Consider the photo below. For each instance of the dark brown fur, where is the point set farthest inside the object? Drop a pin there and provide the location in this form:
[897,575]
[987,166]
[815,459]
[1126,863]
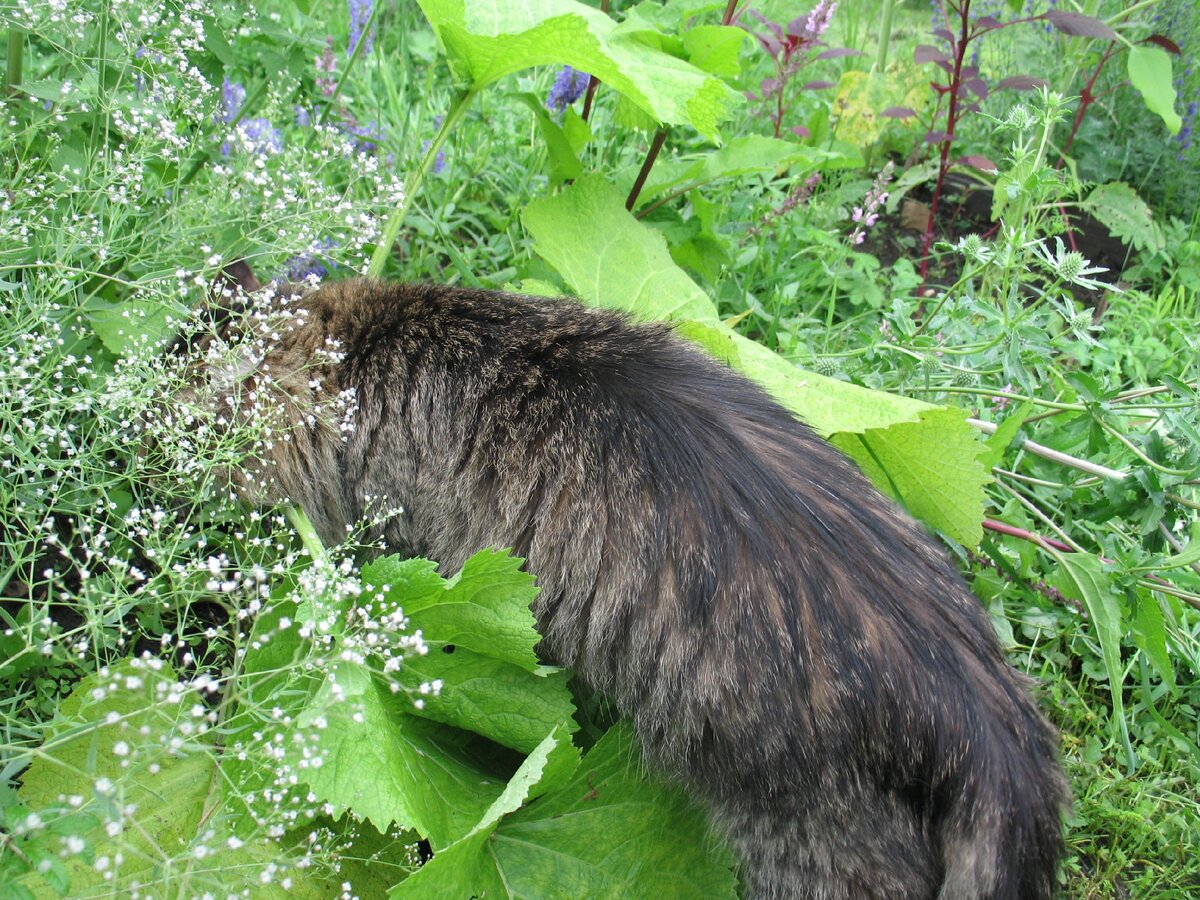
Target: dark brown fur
[786,641]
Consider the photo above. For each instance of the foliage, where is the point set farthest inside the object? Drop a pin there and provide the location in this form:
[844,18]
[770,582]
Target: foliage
[197,699]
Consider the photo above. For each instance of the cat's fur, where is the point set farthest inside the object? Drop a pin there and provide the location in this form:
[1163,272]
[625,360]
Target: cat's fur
[786,641]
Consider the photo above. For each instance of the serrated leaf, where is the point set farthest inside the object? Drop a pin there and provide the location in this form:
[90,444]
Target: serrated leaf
[484,608]
[1118,208]
[1150,635]
[498,700]
[612,260]
[604,833]
[383,765]
[1150,72]
[931,466]
[488,39]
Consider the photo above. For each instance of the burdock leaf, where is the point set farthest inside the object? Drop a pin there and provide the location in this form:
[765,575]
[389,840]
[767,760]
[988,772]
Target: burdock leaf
[611,259]
[603,833]
[487,39]
[931,466]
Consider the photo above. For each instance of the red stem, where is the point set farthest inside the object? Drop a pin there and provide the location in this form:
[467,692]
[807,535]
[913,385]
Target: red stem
[960,53]
[659,137]
[1086,99]
[593,81]
[1014,531]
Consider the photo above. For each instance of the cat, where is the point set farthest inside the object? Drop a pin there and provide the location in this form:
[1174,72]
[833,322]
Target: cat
[787,642]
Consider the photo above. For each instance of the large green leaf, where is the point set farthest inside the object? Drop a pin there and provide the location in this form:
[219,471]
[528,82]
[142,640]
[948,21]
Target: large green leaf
[603,833]
[610,259]
[355,747]
[126,772]
[376,744]
[485,40]
[931,466]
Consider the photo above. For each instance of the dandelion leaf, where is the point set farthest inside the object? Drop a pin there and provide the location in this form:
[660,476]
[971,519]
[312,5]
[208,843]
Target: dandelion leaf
[604,832]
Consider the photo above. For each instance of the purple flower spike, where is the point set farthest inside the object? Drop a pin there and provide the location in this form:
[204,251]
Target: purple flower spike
[568,87]
[360,14]
[233,95]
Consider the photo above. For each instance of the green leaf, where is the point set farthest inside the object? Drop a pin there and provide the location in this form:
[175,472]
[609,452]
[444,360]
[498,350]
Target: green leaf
[1001,439]
[498,700]
[718,342]
[484,608]
[612,260]
[384,765]
[604,833]
[488,39]
[748,155]
[930,466]
[126,743]
[716,48]
[360,744]
[564,163]
[1081,577]
[1150,72]
[132,323]
[1118,208]
[1150,635]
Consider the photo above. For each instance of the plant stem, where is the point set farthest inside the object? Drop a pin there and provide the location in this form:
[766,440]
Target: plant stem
[337,88]
[16,52]
[593,81]
[306,531]
[960,53]
[1054,455]
[660,137]
[391,230]
[885,34]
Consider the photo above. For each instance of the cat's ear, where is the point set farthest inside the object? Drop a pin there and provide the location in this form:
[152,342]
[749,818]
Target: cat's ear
[235,277]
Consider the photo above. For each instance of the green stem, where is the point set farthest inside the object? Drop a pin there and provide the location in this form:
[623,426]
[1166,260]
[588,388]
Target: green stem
[337,88]
[885,34]
[306,531]
[16,51]
[391,230]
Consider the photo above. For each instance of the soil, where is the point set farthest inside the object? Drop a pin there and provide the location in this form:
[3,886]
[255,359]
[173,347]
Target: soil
[965,208]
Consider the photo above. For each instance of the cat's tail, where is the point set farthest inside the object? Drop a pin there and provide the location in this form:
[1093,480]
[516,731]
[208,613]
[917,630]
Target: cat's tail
[1002,837]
